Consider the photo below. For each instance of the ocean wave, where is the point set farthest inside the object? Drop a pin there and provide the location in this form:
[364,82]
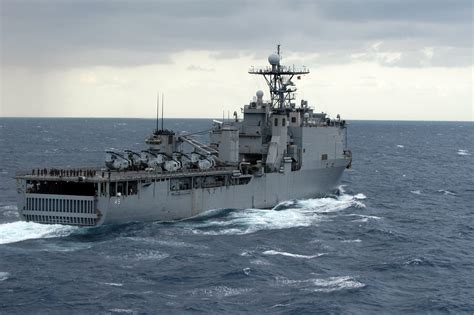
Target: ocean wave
[123,310]
[4,276]
[463,152]
[372,217]
[113,284]
[9,211]
[364,218]
[447,192]
[141,255]
[20,230]
[220,291]
[167,243]
[274,252]
[150,255]
[260,262]
[330,284]
[418,261]
[8,207]
[351,241]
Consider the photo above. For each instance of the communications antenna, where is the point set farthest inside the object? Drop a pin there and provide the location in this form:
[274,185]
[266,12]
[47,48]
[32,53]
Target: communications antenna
[279,80]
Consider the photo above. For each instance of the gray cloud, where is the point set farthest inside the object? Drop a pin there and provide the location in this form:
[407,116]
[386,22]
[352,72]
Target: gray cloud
[120,33]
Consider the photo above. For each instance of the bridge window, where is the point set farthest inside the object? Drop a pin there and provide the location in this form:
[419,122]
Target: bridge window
[283,122]
[276,122]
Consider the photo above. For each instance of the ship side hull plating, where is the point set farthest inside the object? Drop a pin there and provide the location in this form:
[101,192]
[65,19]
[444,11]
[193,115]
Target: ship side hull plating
[157,202]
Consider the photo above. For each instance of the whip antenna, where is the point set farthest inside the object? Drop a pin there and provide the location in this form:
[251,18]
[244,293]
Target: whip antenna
[157,109]
[162,110]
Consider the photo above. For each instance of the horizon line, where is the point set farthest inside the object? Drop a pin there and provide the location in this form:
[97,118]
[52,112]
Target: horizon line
[196,118]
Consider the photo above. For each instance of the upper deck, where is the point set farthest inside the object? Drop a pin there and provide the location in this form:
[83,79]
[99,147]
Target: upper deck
[98,175]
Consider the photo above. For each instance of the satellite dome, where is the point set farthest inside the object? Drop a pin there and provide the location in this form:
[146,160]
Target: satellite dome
[274,59]
[259,94]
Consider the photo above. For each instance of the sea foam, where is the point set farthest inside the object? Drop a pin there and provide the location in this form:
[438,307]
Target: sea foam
[330,284]
[274,252]
[21,230]
[289,214]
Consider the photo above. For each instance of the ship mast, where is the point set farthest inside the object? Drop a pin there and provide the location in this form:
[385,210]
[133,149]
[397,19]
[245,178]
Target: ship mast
[279,80]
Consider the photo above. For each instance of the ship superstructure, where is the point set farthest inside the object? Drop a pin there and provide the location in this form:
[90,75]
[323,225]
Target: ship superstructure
[278,151]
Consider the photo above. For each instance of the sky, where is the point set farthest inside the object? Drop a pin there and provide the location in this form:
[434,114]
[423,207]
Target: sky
[374,59]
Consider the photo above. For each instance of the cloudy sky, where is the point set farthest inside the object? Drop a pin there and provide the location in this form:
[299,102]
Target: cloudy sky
[380,59]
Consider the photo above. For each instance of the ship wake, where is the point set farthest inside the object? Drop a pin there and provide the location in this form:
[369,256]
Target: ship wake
[19,231]
[289,214]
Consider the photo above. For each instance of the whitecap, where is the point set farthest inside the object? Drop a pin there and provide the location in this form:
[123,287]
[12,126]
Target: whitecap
[247,271]
[4,276]
[416,192]
[414,261]
[21,230]
[364,217]
[330,284]
[274,252]
[336,284]
[463,152]
[351,241]
[221,291]
[151,255]
[280,305]
[400,146]
[260,262]
[446,192]
[113,284]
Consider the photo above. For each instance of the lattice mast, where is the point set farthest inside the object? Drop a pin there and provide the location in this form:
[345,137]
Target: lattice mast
[279,80]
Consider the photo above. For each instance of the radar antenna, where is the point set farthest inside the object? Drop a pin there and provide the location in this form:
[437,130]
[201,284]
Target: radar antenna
[278,78]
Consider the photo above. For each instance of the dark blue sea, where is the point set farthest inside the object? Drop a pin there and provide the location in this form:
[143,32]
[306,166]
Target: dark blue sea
[399,237]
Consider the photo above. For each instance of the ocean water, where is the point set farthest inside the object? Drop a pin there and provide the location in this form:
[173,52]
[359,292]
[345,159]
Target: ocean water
[399,237]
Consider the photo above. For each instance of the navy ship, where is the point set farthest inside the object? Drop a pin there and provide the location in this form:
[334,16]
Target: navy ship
[280,150]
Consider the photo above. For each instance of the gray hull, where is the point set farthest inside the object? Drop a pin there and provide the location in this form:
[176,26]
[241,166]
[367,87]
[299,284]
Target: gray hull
[156,202]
